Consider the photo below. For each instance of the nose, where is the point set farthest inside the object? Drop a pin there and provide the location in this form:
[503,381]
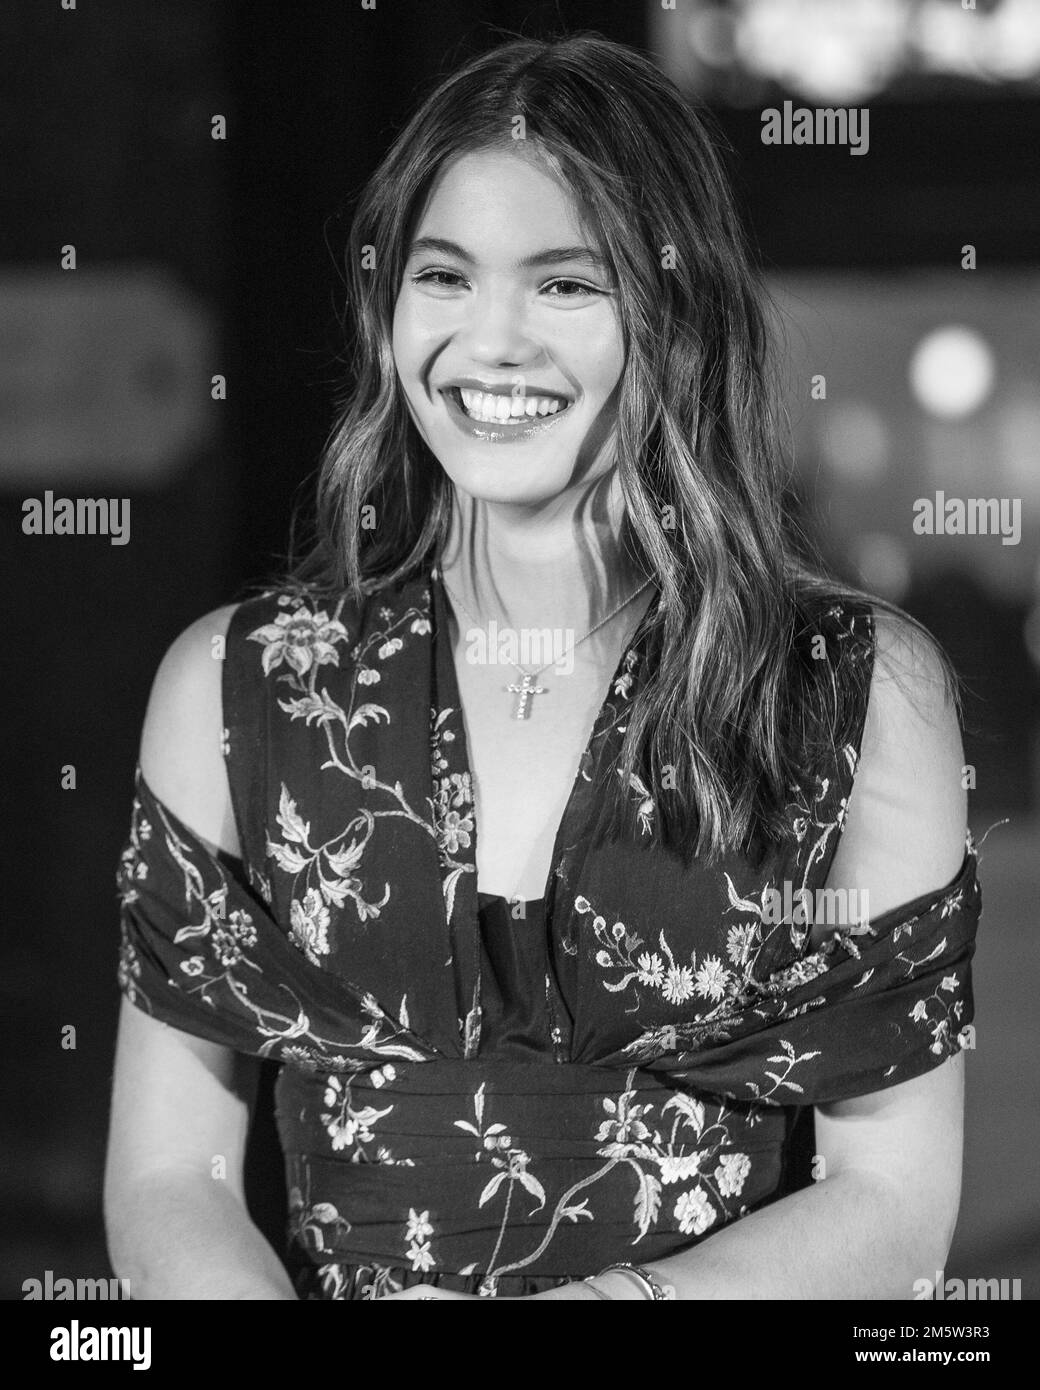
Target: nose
[495,332]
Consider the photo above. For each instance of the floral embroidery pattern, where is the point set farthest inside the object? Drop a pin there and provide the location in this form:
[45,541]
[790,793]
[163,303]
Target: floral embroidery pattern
[417,1232]
[309,913]
[307,642]
[682,1144]
[626,1136]
[453,821]
[350,1126]
[221,959]
[301,639]
[942,1015]
[676,982]
[316,1225]
[310,925]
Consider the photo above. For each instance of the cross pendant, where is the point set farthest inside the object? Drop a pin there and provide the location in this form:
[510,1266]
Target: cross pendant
[523,695]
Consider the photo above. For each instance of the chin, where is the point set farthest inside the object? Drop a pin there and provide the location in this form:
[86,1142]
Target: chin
[509,480]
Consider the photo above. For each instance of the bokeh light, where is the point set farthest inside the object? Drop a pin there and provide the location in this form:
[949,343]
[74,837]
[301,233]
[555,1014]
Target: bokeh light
[848,50]
[952,372]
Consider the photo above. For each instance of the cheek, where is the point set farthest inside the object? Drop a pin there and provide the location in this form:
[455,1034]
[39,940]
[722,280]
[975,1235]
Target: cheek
[611,367]
[603,373]
[597,354]
[411,332]
[416,333]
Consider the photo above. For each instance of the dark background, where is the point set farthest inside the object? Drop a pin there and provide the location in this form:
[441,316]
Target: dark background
[108,113]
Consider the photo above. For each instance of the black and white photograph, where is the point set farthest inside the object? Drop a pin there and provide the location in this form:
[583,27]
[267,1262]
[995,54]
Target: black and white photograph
[524,762]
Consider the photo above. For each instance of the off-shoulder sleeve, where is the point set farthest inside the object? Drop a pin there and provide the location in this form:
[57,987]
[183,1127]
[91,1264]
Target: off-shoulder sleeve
[872,1007]
[201,951]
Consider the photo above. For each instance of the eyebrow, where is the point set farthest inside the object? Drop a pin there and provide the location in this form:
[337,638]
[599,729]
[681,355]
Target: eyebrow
[552,255]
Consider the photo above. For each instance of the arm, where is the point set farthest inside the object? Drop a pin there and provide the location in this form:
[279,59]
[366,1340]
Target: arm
[177,1227]
[175,1212]
[885,1213]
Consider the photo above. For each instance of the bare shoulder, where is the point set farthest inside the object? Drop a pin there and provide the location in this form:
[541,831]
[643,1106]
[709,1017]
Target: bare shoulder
[912,715]
[904,833]
[181,757]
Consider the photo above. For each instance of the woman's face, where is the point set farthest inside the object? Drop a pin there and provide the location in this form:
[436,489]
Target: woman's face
[506,336]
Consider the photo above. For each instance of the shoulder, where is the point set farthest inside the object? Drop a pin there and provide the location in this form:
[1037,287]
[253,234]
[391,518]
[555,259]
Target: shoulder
[912,709]
[181,757]
[905,828]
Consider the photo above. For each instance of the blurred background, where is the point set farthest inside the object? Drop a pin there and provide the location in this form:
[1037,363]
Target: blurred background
[909,284]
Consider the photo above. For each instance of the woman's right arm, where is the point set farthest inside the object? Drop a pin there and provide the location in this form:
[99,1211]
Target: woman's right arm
[175,1211]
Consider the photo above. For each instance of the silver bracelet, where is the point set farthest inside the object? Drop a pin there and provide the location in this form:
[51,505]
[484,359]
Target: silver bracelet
[656,1291]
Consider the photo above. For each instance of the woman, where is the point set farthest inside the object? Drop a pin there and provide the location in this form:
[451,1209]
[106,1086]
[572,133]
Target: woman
[588,1036]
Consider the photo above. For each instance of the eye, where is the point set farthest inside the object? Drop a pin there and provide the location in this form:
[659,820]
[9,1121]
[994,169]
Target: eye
[439,279]
[572,289]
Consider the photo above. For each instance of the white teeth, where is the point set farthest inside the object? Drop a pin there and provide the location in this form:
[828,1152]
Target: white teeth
[492,409]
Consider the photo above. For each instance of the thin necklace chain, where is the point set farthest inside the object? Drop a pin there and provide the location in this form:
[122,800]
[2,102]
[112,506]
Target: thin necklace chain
[533,675]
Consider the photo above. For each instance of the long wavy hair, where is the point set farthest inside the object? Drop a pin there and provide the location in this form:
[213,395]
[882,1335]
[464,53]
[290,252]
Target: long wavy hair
[734,715]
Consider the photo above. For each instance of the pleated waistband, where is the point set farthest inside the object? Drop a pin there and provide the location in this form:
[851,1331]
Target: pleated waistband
[539,1169]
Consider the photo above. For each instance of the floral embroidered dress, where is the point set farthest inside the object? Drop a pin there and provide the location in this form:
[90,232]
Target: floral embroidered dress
[500,1097]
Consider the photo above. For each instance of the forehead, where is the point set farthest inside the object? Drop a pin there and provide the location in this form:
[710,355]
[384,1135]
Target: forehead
[501,199]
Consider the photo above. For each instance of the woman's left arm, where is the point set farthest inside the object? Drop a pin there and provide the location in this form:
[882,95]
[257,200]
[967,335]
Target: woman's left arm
[883,1214]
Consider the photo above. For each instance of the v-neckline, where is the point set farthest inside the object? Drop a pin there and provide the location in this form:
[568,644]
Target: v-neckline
[441,611]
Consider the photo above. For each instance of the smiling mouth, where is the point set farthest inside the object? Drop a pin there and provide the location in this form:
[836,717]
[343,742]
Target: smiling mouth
[483,408]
